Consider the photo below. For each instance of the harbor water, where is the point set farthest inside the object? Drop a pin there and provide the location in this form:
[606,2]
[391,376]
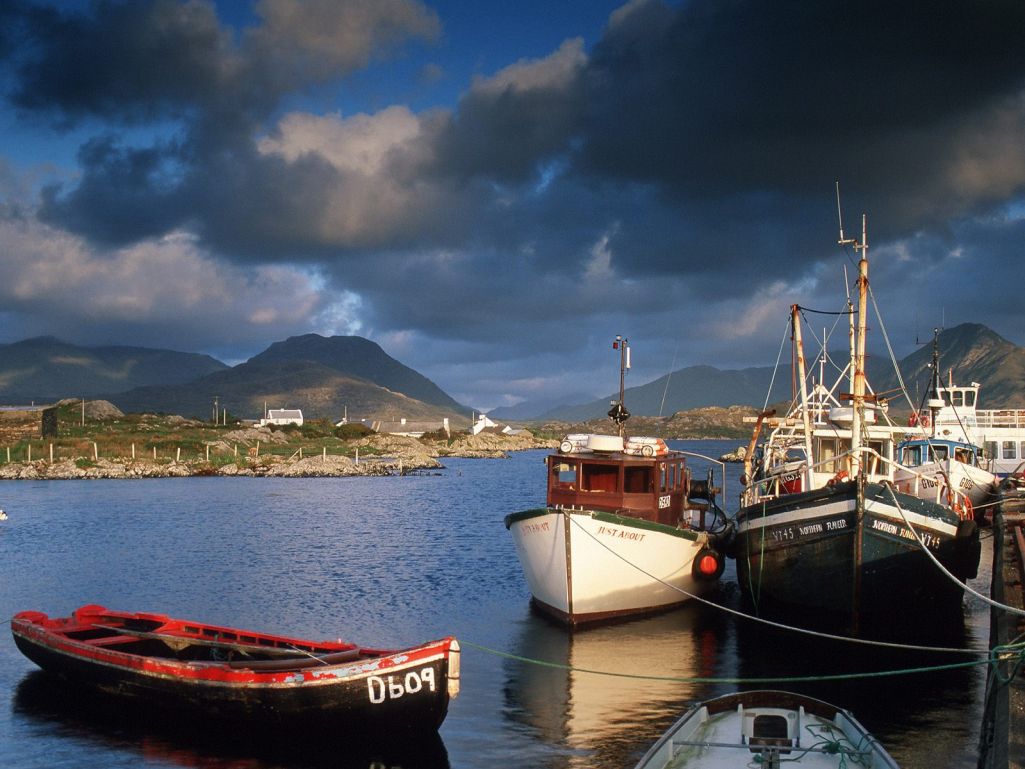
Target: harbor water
[396,561]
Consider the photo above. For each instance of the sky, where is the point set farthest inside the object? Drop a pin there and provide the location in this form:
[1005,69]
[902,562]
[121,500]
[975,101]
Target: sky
[493,191]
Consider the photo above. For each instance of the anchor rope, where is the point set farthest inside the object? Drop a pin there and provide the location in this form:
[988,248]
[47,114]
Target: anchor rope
[772,623]
[999,654]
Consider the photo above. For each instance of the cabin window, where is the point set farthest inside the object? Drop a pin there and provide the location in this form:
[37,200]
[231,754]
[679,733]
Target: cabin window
[637,480]
[957,398]
[1021,451]
[827,456]
[946,398]
[600,478]
[880,448]
[991,449]
[939,453]
[911,456]
[564,474]
[1009,450]
[969,398]
[963,455]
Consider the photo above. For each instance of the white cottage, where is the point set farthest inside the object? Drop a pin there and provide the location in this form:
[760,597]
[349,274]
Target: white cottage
[283,417]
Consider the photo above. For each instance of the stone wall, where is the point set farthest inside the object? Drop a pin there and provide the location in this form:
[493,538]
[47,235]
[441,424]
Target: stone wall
[28,422]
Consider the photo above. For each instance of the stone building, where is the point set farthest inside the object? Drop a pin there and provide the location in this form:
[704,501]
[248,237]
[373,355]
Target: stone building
[19,423]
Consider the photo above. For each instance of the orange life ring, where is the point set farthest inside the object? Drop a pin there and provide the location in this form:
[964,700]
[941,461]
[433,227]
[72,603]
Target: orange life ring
[913,419]
[925,420]
[840,477]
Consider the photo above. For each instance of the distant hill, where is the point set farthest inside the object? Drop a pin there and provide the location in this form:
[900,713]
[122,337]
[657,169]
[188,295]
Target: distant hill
[320,391]
[974,352]
[44,368]
[324,376]
[359,357]
[531,409]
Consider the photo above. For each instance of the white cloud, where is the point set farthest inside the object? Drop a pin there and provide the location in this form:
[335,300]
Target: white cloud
[358,144]
[167,282]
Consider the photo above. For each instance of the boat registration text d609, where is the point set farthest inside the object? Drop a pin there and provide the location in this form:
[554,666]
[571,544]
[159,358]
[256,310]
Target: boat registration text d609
[393,687]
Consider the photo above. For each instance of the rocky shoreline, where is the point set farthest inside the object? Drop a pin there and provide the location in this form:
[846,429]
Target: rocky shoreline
[378,455]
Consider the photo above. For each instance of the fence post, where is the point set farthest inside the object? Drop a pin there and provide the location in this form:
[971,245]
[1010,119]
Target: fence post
[178,455]
[325,455]
[133,452]
[208,452]
[51,453]
[154,453]
[96,452]
[30,452]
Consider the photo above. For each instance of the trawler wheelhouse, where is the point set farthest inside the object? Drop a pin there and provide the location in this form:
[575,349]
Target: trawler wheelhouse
[653,489]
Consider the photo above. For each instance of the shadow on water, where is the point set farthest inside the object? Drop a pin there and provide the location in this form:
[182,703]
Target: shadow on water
[77,712]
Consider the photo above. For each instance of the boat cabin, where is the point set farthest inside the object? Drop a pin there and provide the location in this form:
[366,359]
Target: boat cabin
[651,488]
[920,452]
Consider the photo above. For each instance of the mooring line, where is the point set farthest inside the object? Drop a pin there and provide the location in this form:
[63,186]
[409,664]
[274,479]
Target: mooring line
[1003,655]
[943,569]
[779,625]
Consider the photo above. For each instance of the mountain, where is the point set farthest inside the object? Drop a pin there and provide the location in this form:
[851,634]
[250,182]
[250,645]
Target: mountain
[44,368]
[973,351]
[361,358]
[531,409]
[248,388]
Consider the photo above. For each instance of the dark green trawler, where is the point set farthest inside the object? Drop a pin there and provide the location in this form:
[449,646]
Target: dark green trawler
[822,528]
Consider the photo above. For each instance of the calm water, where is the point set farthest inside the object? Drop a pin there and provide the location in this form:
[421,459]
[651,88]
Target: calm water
[393,561]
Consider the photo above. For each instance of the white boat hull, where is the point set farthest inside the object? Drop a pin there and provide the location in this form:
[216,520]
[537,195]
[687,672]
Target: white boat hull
[766,728]
[584,566]
[929,481]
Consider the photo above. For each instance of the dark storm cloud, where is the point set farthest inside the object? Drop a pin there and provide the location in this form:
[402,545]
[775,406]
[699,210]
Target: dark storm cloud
[676,179]
[172,66]
[128,61]
[720,98]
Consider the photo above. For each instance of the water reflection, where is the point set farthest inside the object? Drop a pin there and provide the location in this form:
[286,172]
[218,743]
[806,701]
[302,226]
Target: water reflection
[58,708]
[909,713]
[594,720]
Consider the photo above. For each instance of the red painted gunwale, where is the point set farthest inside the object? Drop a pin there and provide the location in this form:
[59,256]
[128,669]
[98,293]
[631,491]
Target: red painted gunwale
[53,634]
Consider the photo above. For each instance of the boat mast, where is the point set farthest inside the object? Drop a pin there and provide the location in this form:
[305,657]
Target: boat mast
[618,412]
[858,395]
[935,400]
[795,322]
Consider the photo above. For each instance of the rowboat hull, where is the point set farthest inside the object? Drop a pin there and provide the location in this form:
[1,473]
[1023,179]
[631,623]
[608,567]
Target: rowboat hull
[808,551]
[585,566]
[768,728]
[408,689]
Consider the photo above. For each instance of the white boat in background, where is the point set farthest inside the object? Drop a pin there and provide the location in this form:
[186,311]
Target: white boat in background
[933,461]
[618,534]
[931,467]
[955,416]
[766,729]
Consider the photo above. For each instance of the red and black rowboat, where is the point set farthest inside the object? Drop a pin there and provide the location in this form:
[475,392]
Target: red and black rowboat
[229,674]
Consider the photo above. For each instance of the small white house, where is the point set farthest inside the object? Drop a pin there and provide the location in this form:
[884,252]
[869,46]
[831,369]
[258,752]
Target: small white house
[282,417]
[482,423]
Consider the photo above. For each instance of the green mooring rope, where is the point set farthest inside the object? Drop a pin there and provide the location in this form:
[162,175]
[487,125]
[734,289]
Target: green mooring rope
[997,655]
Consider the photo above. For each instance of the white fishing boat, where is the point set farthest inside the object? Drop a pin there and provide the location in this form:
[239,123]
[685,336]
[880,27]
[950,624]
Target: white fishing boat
[954,415]
[768,729]
[933,462]
[619,534]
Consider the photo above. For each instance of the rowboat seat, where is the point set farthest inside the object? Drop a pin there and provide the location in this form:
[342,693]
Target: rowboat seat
[111,640]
